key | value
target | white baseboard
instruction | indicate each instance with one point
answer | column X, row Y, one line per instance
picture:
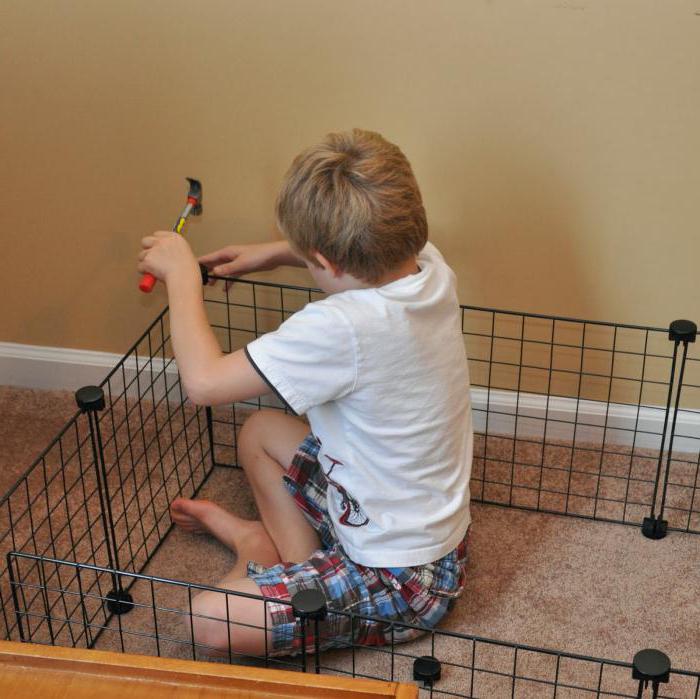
column 528, row 415
column 61, row 368
column 52, row 368
column 566, row 418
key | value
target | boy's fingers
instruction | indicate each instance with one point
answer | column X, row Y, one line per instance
column 228, row 269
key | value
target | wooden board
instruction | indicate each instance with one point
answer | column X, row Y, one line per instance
column 29, row 671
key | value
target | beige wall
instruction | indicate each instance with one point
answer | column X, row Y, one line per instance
column 557, row 143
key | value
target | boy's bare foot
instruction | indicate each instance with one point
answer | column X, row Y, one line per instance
column 243, row 536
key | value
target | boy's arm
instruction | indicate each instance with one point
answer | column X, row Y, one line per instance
column 209, row 377
column 241, row 259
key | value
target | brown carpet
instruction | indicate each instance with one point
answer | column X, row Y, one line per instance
column 549, row 581
column 29, row 420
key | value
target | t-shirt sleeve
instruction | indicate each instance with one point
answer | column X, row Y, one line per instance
column 310, row 359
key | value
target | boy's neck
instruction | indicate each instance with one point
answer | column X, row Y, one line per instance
column 347, row 282
column 405, row 269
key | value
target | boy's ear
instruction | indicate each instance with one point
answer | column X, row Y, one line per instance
column 329, row 266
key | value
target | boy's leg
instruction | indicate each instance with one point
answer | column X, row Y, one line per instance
column 268, row 444
column 248, row 539
column 266, row 447
column 232, row 623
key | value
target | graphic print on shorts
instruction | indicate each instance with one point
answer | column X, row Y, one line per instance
column 352, row 514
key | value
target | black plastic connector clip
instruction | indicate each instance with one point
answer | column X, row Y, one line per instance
column 205, row 274
column 427, row 670
column 653, row 666
column 90, row 398
column 682, row 331
column 119, row 602
column 309, row 604
column 654, row 527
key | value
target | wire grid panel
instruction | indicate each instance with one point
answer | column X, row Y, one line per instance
column 66, row 607
column 240, row 314
column 54, row 509
column 472, row 666
column 156, row 445
column 60, row 603
column 682, row 502
column 569, row 415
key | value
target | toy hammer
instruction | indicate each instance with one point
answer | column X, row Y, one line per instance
column 194, row 207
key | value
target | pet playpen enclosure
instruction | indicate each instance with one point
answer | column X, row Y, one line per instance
column 581, row 418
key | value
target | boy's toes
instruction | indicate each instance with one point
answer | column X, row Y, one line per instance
column 183, row 513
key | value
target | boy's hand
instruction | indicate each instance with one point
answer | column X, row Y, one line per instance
column 168, row 256
column 236, row 260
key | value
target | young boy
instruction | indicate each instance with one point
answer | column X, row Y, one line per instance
column 369, row 502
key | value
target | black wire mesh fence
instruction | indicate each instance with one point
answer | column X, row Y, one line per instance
column 246, row 311
column 571, row 416
column 580, row 418
column 54, row 509
column 575, row 417
column 100, row 492
column 59, row 602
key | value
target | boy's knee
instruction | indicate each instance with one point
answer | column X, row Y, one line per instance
column 209, row 628
column 269, row 435
column 252, row 434
column 217, row 631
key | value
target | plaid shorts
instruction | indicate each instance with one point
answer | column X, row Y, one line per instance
column 418, row 595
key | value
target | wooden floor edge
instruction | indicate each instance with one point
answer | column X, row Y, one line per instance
column 108, row 663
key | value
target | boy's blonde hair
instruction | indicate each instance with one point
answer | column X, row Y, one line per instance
column 354, row 199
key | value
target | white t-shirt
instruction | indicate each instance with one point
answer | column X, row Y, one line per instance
column 382, row 375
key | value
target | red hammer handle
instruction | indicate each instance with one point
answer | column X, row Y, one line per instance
column 148, row 281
